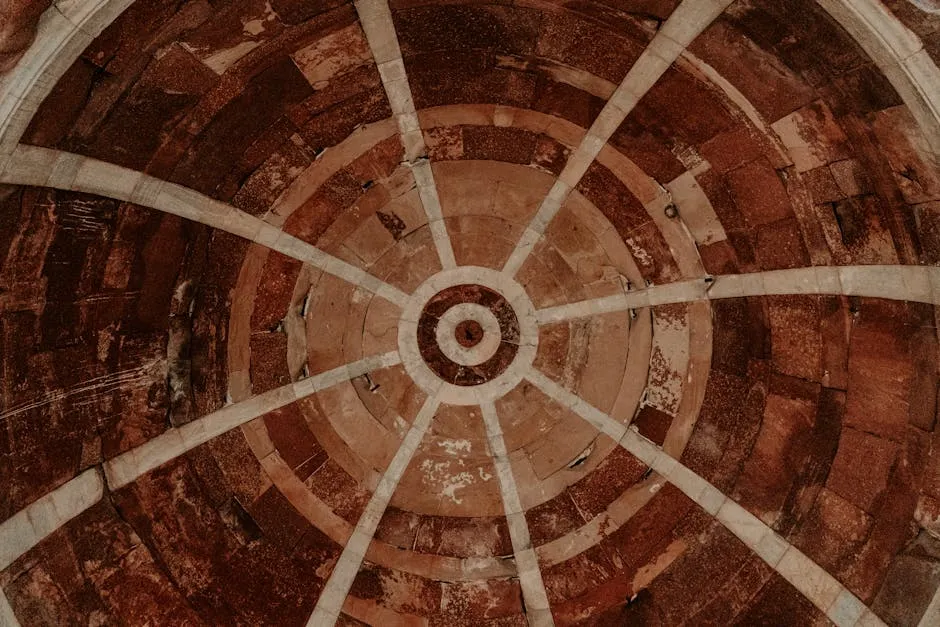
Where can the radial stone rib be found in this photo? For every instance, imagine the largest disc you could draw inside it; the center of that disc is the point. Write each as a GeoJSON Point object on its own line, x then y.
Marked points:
{"type": "Point", "coordinates": [687, 21]}
{"type": "Point", "coordinates": [822, 589]}
{"type": "Point", "coordinates": [911, 283]}
{"type": "Point", "coordinates": [530, 576]}
{"type": "Point", "coordinates": [376, 19]}
{"type": "Point", "coordinates": [29, 526]}
{"type": "Point", "coordinates": [42, 167]}
{"type": "Point", "coordinates": [331, 600]}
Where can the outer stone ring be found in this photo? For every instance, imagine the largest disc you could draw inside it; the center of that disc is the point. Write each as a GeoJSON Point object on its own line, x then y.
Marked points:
{"type": "Point", "coordinates": [468, 334]}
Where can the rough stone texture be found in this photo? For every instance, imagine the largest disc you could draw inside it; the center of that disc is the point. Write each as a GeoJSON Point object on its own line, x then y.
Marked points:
{"type": "Point", "coordinates": [818, 414]}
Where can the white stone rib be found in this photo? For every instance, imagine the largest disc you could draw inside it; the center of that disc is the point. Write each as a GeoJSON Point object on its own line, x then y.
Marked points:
{"type": "Point", "coordinates": [538, 612]}
{"type": "Point", "coordinates": [64, 31]}
{"type": "Point", "coordinates": [899, 54]}
{"type": "Point", "coordinates": [912, 283]}
{"type": "Point", "coordinates": [376, 19]}
{"type": "Point", "coordinates": [172, 443]}
{"type": "Point", "coordinates": [931, 617]}
{"type": "Point", "coordinates": [42, 167]}
{"type": "Point", "coordinates": [687, 21]}
{"type": "Point", "coordinates": [29, 526]}
{"type": "Point", "coordinates": [331, 600]}
{"type": "Point", "coordinates": [822, 589]}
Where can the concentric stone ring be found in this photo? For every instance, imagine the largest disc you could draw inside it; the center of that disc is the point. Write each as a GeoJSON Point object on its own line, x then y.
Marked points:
{"type": "Point", "coordinates": [456, 364]}
{"type": "Point", "coordinates": [470, 332]}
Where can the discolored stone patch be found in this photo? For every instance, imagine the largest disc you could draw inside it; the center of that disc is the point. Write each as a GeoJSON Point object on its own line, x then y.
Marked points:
{"type": "Point", "coordinates": [468, 335]}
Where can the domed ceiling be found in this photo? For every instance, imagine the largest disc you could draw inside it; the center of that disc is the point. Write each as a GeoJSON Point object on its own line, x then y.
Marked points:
{"type": "Point", "coordinates": [454, 312]}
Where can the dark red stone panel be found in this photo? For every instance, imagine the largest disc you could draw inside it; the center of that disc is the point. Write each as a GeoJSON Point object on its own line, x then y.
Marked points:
{"type": "Point", "coordinates": [611, 478]}
{"type": "Point", "coordinates": [466, 77]}
{"type": "Point", "coordinates": [632, 222]}
{"type": "Point", "coordinates": [728, 425]}
{"type": "Point", "coordinates": [654, 527]}
{"type": "Point", "coordinates": [574, 41]}
{"type": "Point", "coordinates": [801, 35]}
{"type": "Point", "coordinates": [651, 152]}
{"type": "Point", "coordinates": [237, 125]}
{"type": "Point", "coordinates": [741, 334]}
{"type": "Point", "coordinates": [911, 582]}
{"type": "Point", "coordinates": [712, 555]}
{"type": "Point", "coordinates": [398, 591]}
{"type": "Point", "coordinates": [299, 11]}
{"type": "Point", "coordinates": [353, 184]}
{"type": "Point", "coordinates": [84, 297]}
{"type": "Point", "coordinates": [226, 563]}
{"type": "Point", "coordinates": [499, 144]}
{"type": "Point", "coordinates": [882, 377]}
{"type": "Point", "coordinates": [566, 101]}
{"type": "Point", "coordinates": [779, 603]}
{"type": "Point", "coordinates": [275, 290]}
{"type": "Point", "coordinates": [680, 110]}
{"type": "Point", "coordinates": [328, 116]}
{"type": "Point", "coordinates": [294, 441]}
{"type": "Point", "coordinates": [269, 368]}
{"type": "Point", "coordinates": [273, 176]}
{"type": "Point", "coordinates": [611, 196]}
{"type": "Point", "coordinates": [774, 89]}
{"type": "Point", "coordinates": [495, 602]}
{"type": "Point", "coordinates": [653, 424]}
{"type": "Point", "coordinates": [215, 261]}
{"type": "Point", "coordinates": [579, 575]}
{"type": "Point", "coordinates": [335, 487]}
{"type": "Point", "coordinates": [792, 452]}
{"type": "Point", "coordinates": [553, 519]}
{"type": "Point", "coordinates": [119, 81]}
{"type": "Point", "coordinates": [505, 29]}
{"type": "Point", "coordinates": [94, 570]}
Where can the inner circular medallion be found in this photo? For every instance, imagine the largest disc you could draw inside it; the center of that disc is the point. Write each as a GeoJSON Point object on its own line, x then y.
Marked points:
{"type": "Point", "coordinates": [468, 333]}
{"type": "Point", "coordinates": [438, 353]}
{"type": "Point", "coordinates": [502, 348]}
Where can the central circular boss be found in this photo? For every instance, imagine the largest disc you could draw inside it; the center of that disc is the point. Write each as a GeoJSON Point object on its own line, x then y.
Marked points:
{"type": "Point", "coordinates": [468, 334]}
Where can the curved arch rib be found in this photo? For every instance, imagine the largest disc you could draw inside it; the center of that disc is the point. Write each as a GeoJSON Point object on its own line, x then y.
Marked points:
{"type": "Point", "coordinates": [822, 589]}
{"type": "Point", "coordinates": [687, 21]}
{"type": "Point", "coordinates": [64, 31]}
{"type": "Point", "coordinates": [42, 167]}
{"type": "Point", "coordinates": [900, 55]}
{"type": "Point", "coordinates": [912, 283]}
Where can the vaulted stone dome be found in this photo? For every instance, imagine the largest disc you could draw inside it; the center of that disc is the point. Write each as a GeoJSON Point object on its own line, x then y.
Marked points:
{"type": "Point", "coordinates": [453, 312]}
